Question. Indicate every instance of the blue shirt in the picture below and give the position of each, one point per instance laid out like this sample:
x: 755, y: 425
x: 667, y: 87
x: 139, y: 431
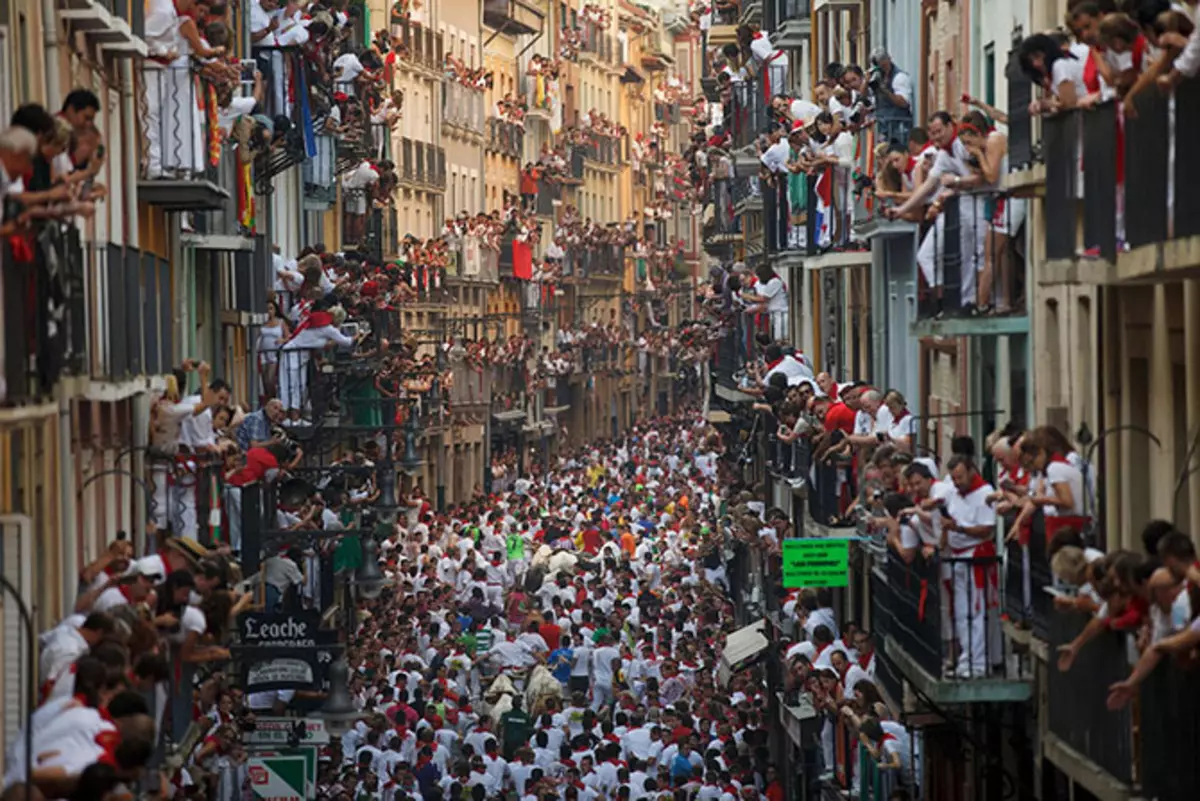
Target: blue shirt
x: 255, y: 427
x: 560, y: 661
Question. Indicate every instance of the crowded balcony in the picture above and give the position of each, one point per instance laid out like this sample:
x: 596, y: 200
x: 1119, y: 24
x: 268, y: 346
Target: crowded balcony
x: 604, y: 261
x: 668, y: 113
x: 513, y: 17
x: 724, y: 226
x: 419, y: 46
x: 1131, y: 213
x: 44, y: 336
x: 421, y: 165
x: 539, y: 99
x: 115, y: 26
x: 549, y: 194
x: 463, y: 108
x: 750, y: 111
x: 596, y: 44
x: 947, y: 645
x: 474, y: 261
x: 603, y: 150
x: 505, y: 138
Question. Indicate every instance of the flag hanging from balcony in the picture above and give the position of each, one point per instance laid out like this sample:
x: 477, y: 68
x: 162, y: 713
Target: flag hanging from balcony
x: 824, y: 190
x: 245, y: 194
x: 522, y: 260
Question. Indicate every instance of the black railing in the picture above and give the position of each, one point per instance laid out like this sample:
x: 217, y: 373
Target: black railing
x: 405, y: 166
x: 320, y: 184
x: 777, y: 13
x: 577, y: 158
x: 789, y: 460
x: 357, y: 206
x: 603, y: 149
x: 1147, y: 167
x: 893, y: 131
x: 44, y: 333
x: 178, y: 141
x: 1077, y: 712
x: 745, y: 189
x: 723, y: 199
x: 829, y: 494
x: 1169, y: 733
x: 1186, y: 220
x: 948, y: 606
x: 1020, y: 124
x: 505, y: 138
x: 1061, y: 138
x: 750, y: 113
x: 961, y: 269
x: 1026, y: 575
x: 420, y: 167
x: 548, y: 193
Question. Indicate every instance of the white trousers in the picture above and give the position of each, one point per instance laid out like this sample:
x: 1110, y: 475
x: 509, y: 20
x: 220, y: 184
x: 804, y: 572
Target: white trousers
x: 972, y: 233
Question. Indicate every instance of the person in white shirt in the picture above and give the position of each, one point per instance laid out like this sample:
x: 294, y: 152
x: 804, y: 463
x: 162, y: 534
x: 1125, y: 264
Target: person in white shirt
x: 602, y: 673
x: 890, y: 744
x: 63, y: 645
x: 970, y: 523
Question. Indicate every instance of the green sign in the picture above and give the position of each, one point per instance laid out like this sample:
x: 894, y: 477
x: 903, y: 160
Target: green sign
x: 278, y: 778
x: 310, y: 756
x: 816, y: 563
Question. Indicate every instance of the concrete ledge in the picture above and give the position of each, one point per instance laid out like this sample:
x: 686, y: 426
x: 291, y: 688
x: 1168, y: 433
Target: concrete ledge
x: 1028, y: 182
x: 836, y: 259
x: 733, y: 395
x: 1083, y: 771
x: 11, y: 415
x: 971, y: 326
x: 942, y: 691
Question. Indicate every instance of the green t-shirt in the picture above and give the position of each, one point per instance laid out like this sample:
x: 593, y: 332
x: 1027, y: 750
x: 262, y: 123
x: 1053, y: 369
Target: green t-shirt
x: 483, y: 641
x: 516, y: 728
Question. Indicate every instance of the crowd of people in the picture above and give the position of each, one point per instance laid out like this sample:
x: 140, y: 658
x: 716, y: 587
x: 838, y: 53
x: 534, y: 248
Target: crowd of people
x: 559, y: 638
x: 459, y: 72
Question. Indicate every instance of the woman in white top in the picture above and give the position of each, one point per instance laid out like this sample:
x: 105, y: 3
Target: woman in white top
x: 274, y: 331
x: 1059, y: 493
x: 772, y: 293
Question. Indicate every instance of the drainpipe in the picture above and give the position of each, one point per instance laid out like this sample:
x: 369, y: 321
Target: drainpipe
x: 66, y: 493
x: 54, y: 95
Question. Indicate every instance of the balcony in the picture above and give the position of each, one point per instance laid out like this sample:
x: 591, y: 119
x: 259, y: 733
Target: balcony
x: 505, y: 138
x: 970, y: 285
x: 320, y: 176
x: 41, y: 339
x: 285, y: 74
x: 1026, y: 173
x: 361, y: 230
x: 599, y: 262
x: 470, y: 386
x: 745, y: 191
x: 420, y: 47
x: 752, y: 12
x: 791, y: 21
x: 548, y: 196
x: 724, y: 227
x: 1083, y: 232
x: 1027, y: 573
x: 668, y: 113
x: 462, y: 108
x: 475, y: 262
x: 575, y: 173
x: 115, y: 26
x: 180, y: 148
x: 603, y: 150
x: 513, y: 17
x: 130, y: 325
x: 948, y: 655
x: 539, y: 100
x: 750, y: 112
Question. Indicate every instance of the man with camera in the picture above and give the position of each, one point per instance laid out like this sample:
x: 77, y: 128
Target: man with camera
x: 892, y: 91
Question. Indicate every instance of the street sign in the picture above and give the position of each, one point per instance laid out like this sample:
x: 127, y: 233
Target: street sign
x: 278, y: 731
x: 287, y: 651
x: 816, y: 563
x: 309, y: 753
x: 278, y: 778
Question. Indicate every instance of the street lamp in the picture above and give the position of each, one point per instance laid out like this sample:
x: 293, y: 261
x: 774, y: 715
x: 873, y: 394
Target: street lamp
x: 369, y: 578
x: 339, y: 712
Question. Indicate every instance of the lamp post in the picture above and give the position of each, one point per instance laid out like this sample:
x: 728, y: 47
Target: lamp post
x: 30, y: 680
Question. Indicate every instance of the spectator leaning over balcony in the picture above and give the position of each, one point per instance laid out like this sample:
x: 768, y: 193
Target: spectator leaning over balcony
x: 767, y: 62
x: 888, y: 742
x: 892, y: 89
x: 970, y: 526
x: 1170, y: 33
x: 949, y: 170
x: 774, y: 179
x: 903, y: 426
x: 1005, y: 215
x: 770, y: 293
x: 197, y: 441
x: 1056, y: 486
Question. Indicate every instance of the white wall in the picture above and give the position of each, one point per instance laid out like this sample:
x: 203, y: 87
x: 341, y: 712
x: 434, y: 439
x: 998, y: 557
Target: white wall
x: 896, y: 24
x: 993, y: 23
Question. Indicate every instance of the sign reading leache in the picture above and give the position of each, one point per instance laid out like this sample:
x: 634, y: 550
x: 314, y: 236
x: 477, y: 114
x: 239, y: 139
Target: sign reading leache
x: 816, y: 563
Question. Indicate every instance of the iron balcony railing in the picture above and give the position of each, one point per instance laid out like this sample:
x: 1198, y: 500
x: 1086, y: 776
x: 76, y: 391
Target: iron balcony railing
x: 358, y: 227
x: 1077, y: 698
x: 462, y: 107
x: 723, y: 201
x: 538, y: 90
x: 970, y: 259
x: 667, y: 112
x: 577, y: 158
x: 946, y: 612
x: 1027, y: 575
x: 603, y: 149
x: 1022, y: 150
x: 750, y: 108
x: 548, y: 194
x: 320, y: 172
x: 45, y: 316
x: 419, y: 45
x: 506, y: 138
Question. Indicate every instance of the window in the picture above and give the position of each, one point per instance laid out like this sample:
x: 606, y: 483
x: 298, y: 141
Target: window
x: 989, y: 74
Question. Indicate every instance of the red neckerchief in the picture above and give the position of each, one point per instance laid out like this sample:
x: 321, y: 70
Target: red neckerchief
x: 885, y: 738
x: 976, y: 482
x: 316, y: 319
x: 167, y: 569
x: 865, y: 659
x: 912, y: 165
x: 900, y: 416
x: 1058, y: 458
x: 1139, y: 52
x: 950, y: 147
x: 124, y: 590
x: 1091, y: 73
x: 772, y: 365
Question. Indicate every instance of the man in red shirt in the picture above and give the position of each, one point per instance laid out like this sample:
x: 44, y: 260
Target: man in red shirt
x: 550, y: 631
